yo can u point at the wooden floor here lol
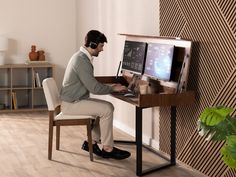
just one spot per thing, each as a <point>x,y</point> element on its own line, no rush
<point>23,152</point>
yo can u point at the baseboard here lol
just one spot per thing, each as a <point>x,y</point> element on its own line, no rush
<point>146,139</point>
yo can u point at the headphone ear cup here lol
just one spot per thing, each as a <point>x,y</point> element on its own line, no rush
<point>93,45</point>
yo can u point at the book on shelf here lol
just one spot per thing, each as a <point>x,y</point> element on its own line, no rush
<point>37,80</point>
<point>14,100</point>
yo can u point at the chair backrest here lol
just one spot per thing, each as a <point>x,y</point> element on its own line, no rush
<point>51,93</point>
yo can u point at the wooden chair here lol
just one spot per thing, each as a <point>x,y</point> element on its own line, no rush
<point>57,118</point>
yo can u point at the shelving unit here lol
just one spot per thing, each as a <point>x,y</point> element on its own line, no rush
<point>19,88</point>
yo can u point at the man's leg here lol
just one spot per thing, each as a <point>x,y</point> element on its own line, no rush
<point>95,107</point>
<point>104,110</point>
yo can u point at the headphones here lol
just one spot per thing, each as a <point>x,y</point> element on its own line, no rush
<point>94,44</point>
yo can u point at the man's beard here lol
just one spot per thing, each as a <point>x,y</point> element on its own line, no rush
<point>96,54</point>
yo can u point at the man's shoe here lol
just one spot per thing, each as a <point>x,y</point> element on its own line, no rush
<point>96,149</point>
<point>115,154</point>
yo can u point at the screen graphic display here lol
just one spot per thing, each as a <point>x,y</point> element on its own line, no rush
<point>134,56</point>
<point>159,61</point>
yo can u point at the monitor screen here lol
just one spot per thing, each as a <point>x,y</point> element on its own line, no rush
<point>159,61</point>
<point>134,56</point>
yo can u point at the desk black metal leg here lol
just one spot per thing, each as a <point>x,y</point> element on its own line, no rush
<point>139,141</point>
<point>173,136</point>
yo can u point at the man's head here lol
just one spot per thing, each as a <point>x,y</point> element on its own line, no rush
<point>94,41</point>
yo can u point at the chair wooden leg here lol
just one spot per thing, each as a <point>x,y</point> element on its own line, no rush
<point>50,140</point>
<point>58,137</point>
<point>90,140</point>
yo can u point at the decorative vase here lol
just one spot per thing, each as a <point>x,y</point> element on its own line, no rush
<point>33,55</point>
<point>41,56</point>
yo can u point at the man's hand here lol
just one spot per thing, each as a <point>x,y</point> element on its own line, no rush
<point>119,88</point>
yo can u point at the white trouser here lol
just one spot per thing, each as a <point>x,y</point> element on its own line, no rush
<point>103,128</point>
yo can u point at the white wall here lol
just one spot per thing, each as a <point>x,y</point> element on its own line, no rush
<point>58,27</point>
<point>49,24</point>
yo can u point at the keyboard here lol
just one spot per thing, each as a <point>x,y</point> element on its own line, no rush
<point>125,94</point>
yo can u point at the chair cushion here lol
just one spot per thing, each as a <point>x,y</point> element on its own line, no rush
<point>62,116</point>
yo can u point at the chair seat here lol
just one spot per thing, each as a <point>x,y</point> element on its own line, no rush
<point>62,116</point>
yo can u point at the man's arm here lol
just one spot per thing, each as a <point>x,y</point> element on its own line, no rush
<point>86,75</point>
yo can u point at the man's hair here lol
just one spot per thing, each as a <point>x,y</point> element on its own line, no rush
<point>93,38</point>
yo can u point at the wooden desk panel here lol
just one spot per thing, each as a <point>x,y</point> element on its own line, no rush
<point>167,99</point>
<point>161,99</point>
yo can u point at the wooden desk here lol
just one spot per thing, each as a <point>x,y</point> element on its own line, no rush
<point>152,100</point>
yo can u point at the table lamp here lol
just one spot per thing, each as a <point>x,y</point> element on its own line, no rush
<point>3,48</point>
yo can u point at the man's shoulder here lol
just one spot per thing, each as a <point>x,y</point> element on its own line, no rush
<point>79,60</point>
<point>79,57</point>
<point>79,54</point>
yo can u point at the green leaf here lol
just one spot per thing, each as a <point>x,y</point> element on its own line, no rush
<point>228,151</point>
<point>219,131</point>
<point>223,111</point>
<point>214,115</point>
<point>216,124</point>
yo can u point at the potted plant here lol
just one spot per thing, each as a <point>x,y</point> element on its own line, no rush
<point>217,124</point>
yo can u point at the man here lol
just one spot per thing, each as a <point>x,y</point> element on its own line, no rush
<point>78,83</point>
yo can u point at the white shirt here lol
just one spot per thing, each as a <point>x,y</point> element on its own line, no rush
<point>83,49</point>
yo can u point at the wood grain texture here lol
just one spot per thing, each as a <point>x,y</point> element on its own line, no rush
<point>211,25</point>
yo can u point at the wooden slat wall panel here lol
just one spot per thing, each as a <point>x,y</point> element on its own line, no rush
<point>178,20</point>
<point>212,27</point>
<point>227,8</point>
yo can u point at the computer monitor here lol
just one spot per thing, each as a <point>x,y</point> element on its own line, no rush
<point>134,56</point>
<point>159,61</point>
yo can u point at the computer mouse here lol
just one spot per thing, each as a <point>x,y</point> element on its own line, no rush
<point>129,95</point>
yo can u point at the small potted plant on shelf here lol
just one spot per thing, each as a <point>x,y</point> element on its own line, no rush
<point>216,123</point>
